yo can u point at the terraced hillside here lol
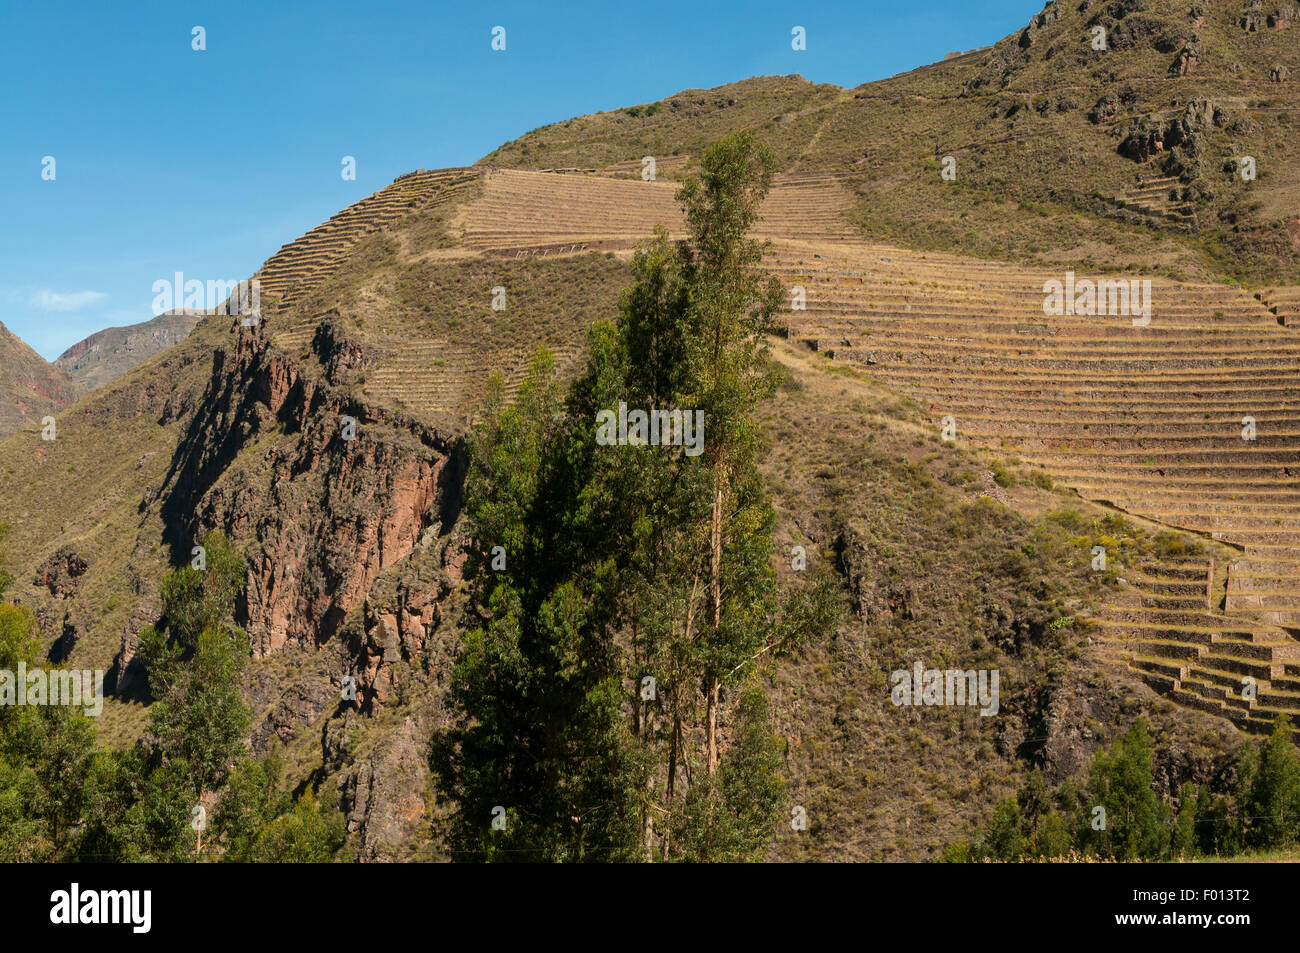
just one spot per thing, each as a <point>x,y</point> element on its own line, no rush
<point>523,214</point>
<point>1147,418</point>
<point>308,260</point>
<point>532,213</point>
<point>1128,155</point>
<point>396,311</point>
<point>1160,197</point>
<point>1285,303</point>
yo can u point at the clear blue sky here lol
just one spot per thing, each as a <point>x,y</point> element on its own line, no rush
<point>168,159</point>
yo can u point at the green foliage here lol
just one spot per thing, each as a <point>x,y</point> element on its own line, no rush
<point>628,564</point>
<point>1121,783</point>
<point>136,810</point>
<point>303,835</point>
<point>252,798</point>
<point>6,579</point>
<point>1044,824</point>
<point>547,740</point>
<point>20,637</point>
<point>196,600</point>
<point>201,719</point>
<point>137,805</point>
<point>1184,843</point>
<point>45,754</point>
<point>1052,839</point>
<point>731,815</point>
<point>1270,791</point>
<point>195,663</point>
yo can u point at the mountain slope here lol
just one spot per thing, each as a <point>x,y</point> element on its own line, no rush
<point>391,317</point>
<point>354,546</point>
<point>1126,156</point>
<point>108,354</point>
<point>30,388</point>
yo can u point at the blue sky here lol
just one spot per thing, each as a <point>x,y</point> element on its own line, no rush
<point>169,159</point>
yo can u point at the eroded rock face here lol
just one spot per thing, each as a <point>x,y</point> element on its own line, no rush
<point>1185,63</point>
<point>1282,17</point>
<point>351,548</point>
<point>382,794</point>
<point>318,516</point>
<point>1142,141</point>
<point>873,597</point>
<point>1050,14</point>
<point>1145,138</point>
<point>288,699</point>
<point>326,533</point>
<point>70,628</point>
<point>127,670</point>
<point>61,572</point>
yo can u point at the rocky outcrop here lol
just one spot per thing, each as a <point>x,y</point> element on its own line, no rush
<point>1110,105</point>
<point>1257,17</point>
<point>381,792</point>
<point>61,572</point>
<point>1127,26</point>
<point>70,628</point>
<point>296,693</point>
<point>1282,17</point>
<point>873,596</point>
<point>1187,60</point>
<point>1030,33</point>
<point>1145,138</point>
<point>320,512</point>
<point>127,672</point>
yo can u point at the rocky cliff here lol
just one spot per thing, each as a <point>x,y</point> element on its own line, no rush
<point>108,354</point>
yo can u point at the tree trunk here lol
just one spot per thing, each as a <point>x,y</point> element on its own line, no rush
<point>672,775</point>
<point>715,590</point>
<point>713,725</point>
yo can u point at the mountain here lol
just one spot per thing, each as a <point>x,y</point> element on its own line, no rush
<point>1127,155</point>
<point>108,354</point>
<point>924,319</point>
<point>30,388</point>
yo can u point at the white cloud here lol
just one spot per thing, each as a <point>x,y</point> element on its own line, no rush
<point>61,301</point>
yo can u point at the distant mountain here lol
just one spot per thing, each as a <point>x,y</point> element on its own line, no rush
<point>107,355</point>
<point>30,387</point>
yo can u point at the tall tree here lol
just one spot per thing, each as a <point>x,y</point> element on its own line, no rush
<point>195,664</point>
<point>1270,798</point>
<point>637,582</point>
<point>1121,783</point>
<point>540,768</point>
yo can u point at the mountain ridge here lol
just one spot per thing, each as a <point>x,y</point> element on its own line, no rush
<point>964,550</point>
<point>30,387</point>
<point>107,354</point>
